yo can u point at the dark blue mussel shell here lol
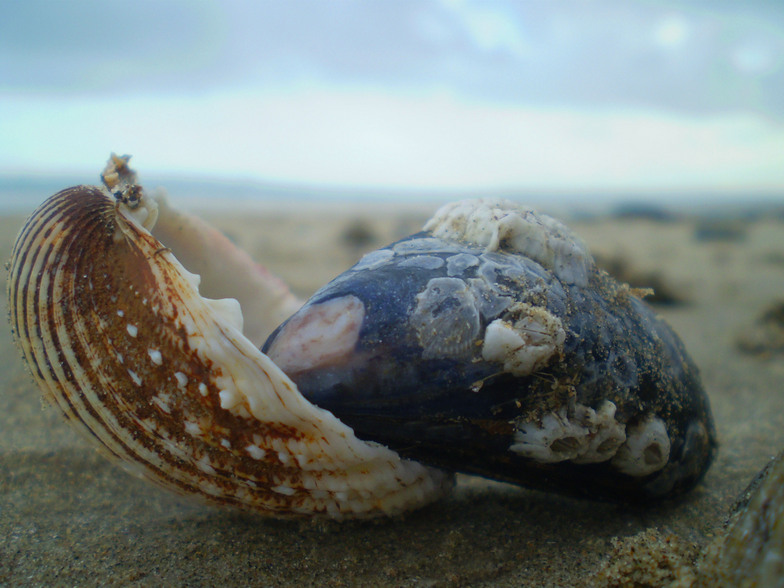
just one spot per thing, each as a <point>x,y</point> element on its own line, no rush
<point>488,363</point>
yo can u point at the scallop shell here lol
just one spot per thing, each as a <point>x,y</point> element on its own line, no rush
<point>490,343</point>
<point>116,333</point>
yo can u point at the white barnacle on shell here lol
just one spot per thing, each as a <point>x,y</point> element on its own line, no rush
<point>583,435</point>
<point>646,450</point>
<point>445,318</point>
<point>525,341</point>
<point>501,225</point>
<point>607,434</point>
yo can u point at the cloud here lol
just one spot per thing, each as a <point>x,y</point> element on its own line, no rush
<point>491,27</point>
<point>364,137</point>
<point>691,57</point>
<point>671,31</point>
<point>454,93</point>
<point>91,46</point>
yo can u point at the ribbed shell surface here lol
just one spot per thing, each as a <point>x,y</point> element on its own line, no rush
<point>116,334</point>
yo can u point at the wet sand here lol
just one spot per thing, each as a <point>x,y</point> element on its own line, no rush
<point>68,516</point>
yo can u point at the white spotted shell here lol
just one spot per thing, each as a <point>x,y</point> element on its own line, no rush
<point>117,334</point>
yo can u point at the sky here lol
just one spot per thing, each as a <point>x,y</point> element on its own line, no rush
<point>579,95</point>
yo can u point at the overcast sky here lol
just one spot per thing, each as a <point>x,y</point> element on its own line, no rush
<point>563,95</point>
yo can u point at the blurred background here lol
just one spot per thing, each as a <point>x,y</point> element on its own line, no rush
<point>585,101</point>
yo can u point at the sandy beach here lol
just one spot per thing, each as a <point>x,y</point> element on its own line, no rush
<point>70,517</point>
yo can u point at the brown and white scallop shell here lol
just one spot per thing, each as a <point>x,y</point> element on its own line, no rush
<point>117,334</point>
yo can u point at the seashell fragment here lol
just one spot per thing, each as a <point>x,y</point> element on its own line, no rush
<point>491,344</point>
<point>752,551</point>
<point>117,334</point>
<point>749,552</point>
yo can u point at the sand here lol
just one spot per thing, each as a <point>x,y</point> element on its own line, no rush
<point>68,516</point>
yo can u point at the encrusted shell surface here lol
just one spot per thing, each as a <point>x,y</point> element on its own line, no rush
<point>491,344</point>
<point>116,333</point>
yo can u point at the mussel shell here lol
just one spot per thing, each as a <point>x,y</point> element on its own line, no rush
<point>411,370</point>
